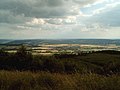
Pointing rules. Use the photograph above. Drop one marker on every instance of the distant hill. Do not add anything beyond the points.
(62, 41)
(4, 41)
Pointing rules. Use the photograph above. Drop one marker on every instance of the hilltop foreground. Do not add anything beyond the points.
(98, 70)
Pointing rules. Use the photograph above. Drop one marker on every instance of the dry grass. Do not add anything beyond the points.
(14, 80)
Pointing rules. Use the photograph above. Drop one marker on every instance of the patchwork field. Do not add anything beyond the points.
(50, 49)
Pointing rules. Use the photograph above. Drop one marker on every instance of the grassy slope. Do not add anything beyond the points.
(55, 81)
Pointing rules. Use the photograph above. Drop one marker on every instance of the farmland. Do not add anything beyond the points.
(50, 49)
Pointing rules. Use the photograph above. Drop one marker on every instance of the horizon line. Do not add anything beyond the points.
(64, 39)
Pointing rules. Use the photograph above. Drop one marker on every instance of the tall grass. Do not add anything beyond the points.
(15, 80)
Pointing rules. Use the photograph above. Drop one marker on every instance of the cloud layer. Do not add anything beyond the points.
(58, 18)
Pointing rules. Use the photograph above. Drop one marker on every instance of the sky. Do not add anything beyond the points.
(59, 19)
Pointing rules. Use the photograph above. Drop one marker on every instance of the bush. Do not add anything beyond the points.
(53, 65)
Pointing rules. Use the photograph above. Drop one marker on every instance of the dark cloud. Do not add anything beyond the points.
(84, 2)
(9, 17)
(42, 8)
